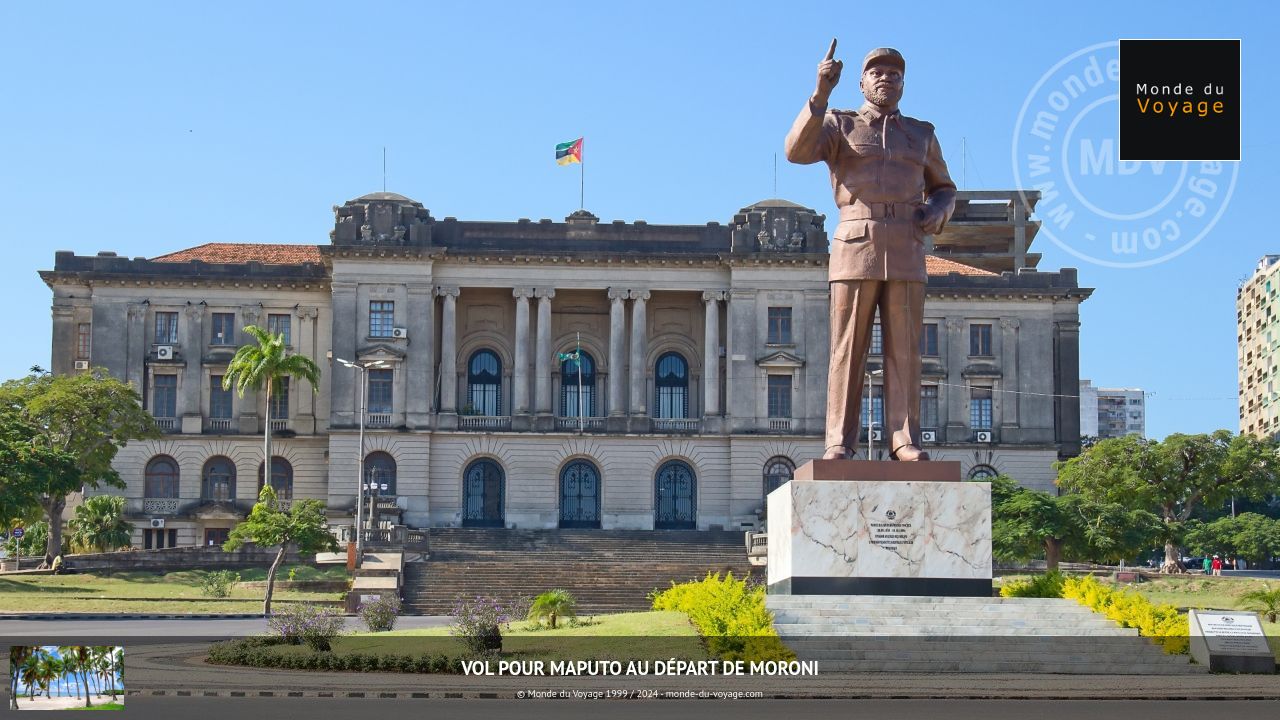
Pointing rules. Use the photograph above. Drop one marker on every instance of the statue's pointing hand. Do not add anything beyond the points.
(828, 74)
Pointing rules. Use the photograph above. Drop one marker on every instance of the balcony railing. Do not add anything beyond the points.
(484, 422)
(590, 424)
(676, 425)
(278, 425)
(220, 425)
(159, 506)
(377, 420)
(167, 424)
(780, 424)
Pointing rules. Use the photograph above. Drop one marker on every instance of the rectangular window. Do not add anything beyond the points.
(779, 396)
(280, 399)
(877, 339)
(279, 324)
(164, 396)
(928, 406)
(980, 339)
(219, 399)
(166, 328)
(224, 329)
(379, 391)
(779, 326)
(980, 408)
(873, 407)
(381, 317)
(84, 334)
(929, 340)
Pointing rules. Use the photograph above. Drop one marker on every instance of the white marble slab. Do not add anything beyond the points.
(863, 529)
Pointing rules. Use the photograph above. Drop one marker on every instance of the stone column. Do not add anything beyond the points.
(520, 372)
(1066, 386)
(419, 380)
(343, 389)
(248, 405)
(542, 357)
(64, 339)
(617, 341)
(449, 358)
(192, 370)
(139, 347)
(305, 340)
(639, 347)
(955, 351)
(711, 353)
(1008, 401)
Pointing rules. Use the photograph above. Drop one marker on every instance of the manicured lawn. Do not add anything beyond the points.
(139, 591)
(108, 706)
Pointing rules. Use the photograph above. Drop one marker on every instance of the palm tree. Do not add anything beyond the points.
(1265, 601)
(553, 604)
(80, 658)
(99, 525)
(50, 670)
(256, 366)
(18, 655)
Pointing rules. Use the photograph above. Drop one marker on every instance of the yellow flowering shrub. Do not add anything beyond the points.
(729, 614)
(1162, 623)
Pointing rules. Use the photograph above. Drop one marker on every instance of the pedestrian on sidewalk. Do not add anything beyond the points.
(1217, 565)
(1208, 564)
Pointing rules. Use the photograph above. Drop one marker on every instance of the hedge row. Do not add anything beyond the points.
(1162, 623)
(259, 652)
(729, 614)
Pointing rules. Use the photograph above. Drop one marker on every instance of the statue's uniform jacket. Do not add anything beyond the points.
(882, 167)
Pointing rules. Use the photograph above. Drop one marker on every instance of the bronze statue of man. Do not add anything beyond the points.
(892, 187)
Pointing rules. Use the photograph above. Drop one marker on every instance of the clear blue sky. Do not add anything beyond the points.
(145, 128)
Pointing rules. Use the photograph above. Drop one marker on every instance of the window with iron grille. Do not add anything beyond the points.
(166, 328)
(578, 375)
(160, 479)
(672, 385)
(980, 339)
(929, 339)
(877, 339)
(484, 383)
(779, 325)
(980, 408)
(928, 406)
(279, 324)
(219, 399)
(779, 396)
(224, 329)
(381, 318)
(380, 391)
(280, 399)
(778, 471)
(84, 334)
(164, 396)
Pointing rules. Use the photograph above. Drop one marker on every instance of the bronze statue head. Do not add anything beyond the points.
(882, 77)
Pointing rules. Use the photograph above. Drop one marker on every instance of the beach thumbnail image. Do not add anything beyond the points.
(66, 677)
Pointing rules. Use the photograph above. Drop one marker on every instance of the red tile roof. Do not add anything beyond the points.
(266, 253)
(934, 265)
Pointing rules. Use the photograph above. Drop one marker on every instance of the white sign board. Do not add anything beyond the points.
(1231, 641)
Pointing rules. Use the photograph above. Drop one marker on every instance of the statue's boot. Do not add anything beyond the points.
(837, 452)
(909, 453)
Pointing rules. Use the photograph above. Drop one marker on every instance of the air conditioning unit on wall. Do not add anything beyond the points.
(157, 522)
(82, 364)
(164, 352)
(984, 436)
(928, 436)
(402, 333)
(877, 434)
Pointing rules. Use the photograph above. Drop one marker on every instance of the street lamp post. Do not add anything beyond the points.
(871, 415)
(361, 371)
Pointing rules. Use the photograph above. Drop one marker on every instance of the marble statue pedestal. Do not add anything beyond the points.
(856, 527)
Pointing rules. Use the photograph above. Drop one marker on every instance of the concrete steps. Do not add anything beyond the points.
(611, 571)
(974, 635)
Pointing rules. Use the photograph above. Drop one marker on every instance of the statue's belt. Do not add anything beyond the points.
(875, 211)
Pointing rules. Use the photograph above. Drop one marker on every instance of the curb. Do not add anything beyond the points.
(129, 616)
(512, 695)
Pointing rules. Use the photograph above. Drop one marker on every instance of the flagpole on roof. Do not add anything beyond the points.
(582, 183)
(578, 351)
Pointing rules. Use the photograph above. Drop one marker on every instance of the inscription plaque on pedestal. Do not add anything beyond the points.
(1230, 642)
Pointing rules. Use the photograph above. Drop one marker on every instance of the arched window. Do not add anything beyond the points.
(482, 495)
(675, 497)
(380, 468)
(982, 472)
(578, 386)
(580, 495)
(672, 383)
(161, 478)
(219, 481)
(484, 383)
(281, 478)
(778, 471)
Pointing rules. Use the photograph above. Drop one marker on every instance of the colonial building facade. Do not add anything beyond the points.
(551, 374)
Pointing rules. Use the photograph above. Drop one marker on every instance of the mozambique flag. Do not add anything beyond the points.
(569, 152)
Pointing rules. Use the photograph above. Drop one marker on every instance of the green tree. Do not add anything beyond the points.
(76, 425)
(1171, 478)
(99, 525)
(1265, 601)
(261, 366)
(76, 659)
(303, 526)
(1254, 537)
(552, 605)
(50, 670)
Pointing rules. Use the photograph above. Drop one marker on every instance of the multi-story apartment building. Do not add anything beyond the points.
(1257, 340)
(1112, 412)
(699, 385)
